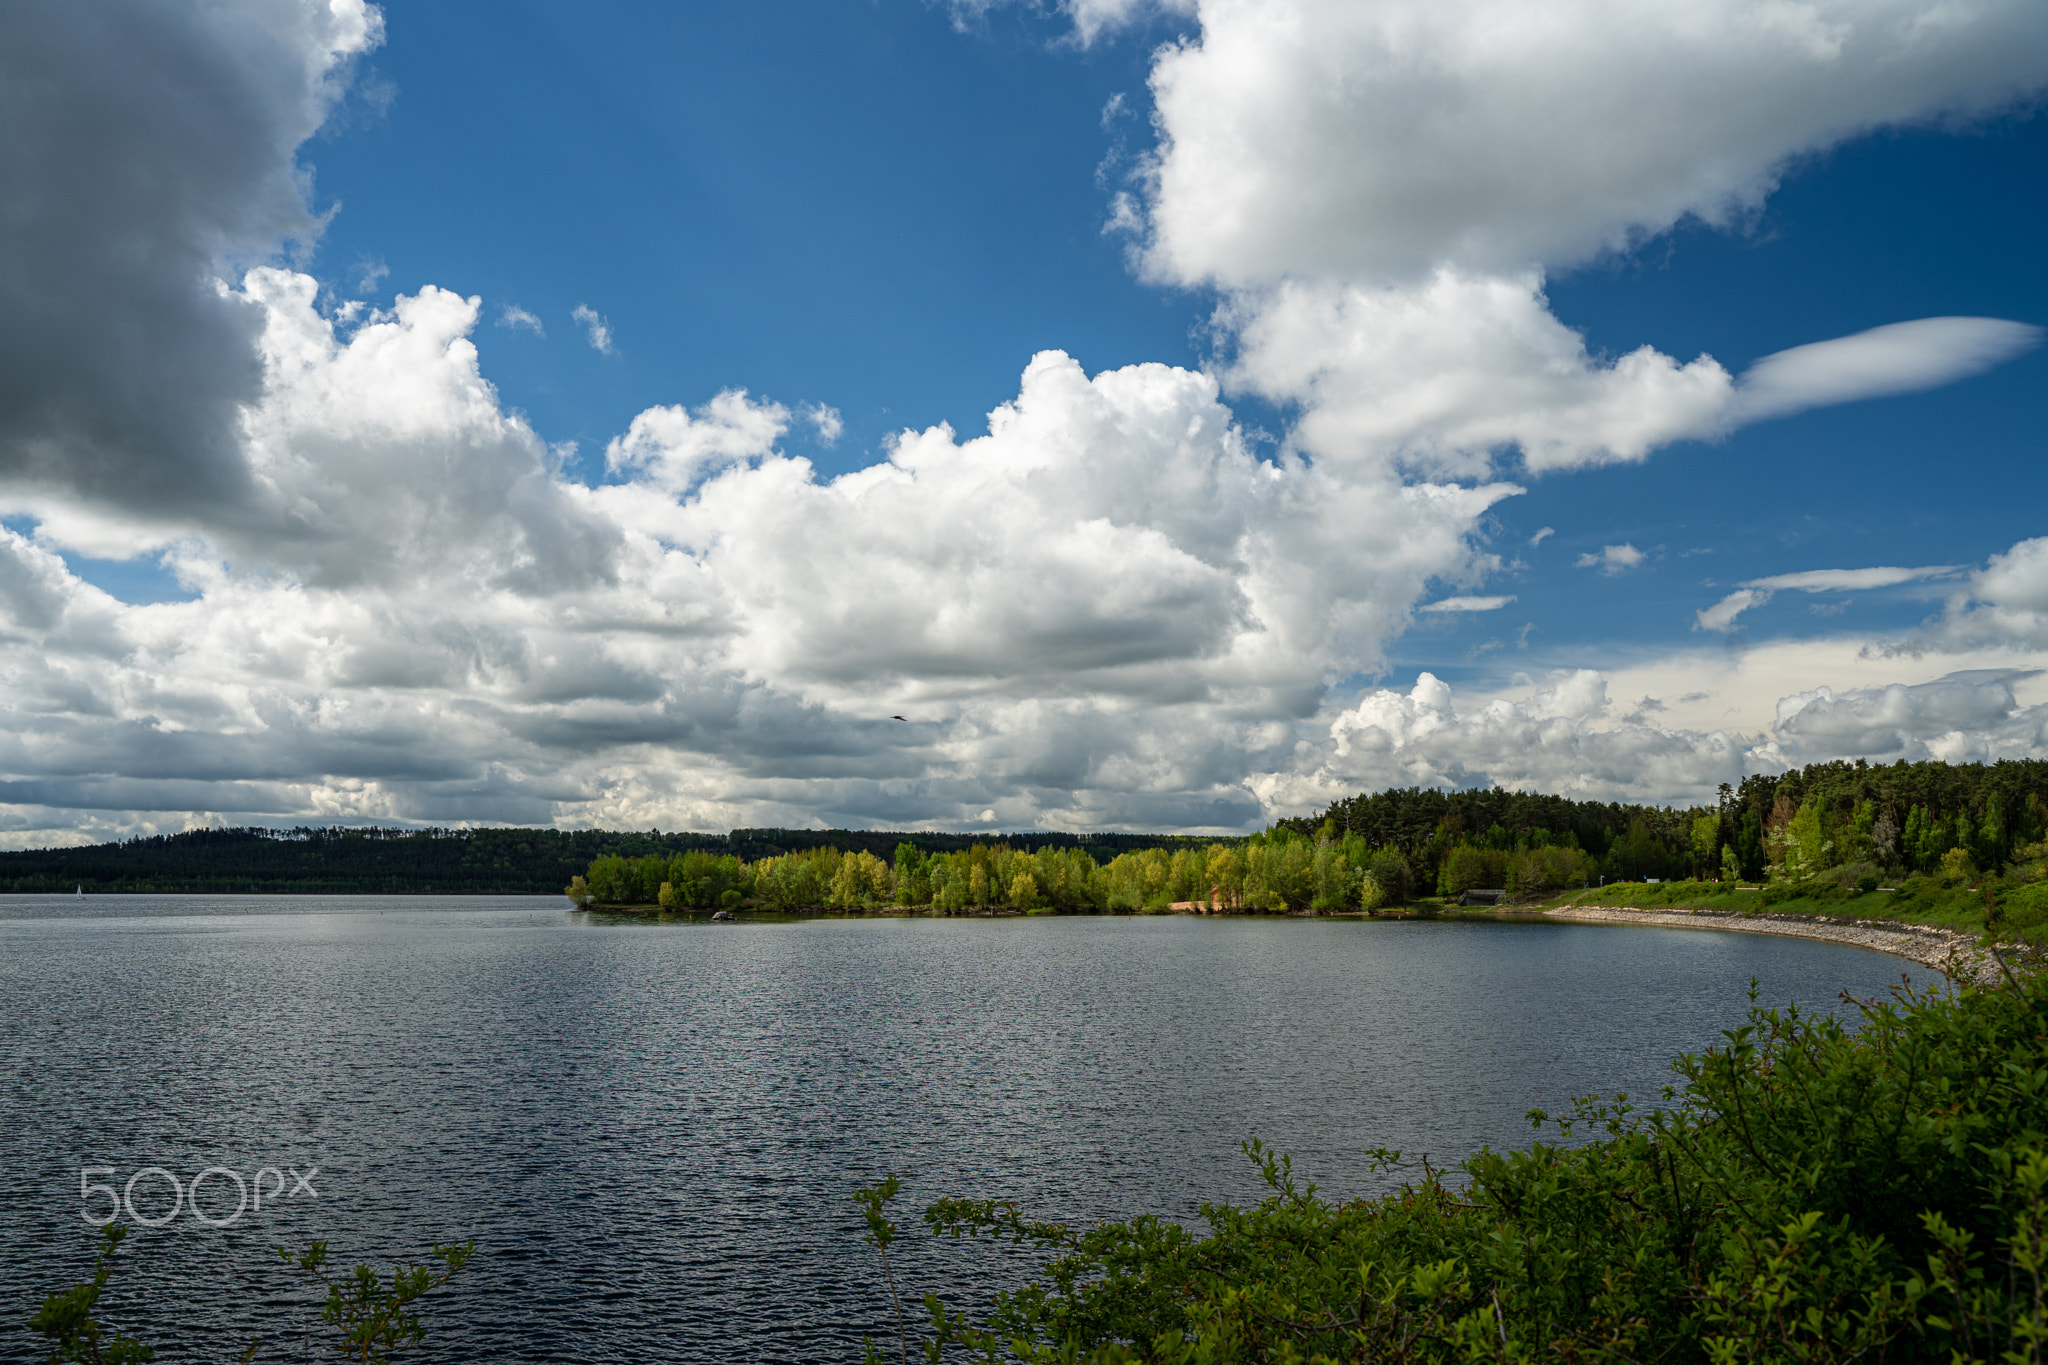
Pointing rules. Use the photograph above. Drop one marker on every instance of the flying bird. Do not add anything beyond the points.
(899, 718)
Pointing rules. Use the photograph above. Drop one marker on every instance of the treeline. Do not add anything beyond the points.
(1276, 872)
(434, 861)
(1838, 821)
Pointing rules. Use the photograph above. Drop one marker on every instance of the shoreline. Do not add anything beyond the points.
(1955, 953)
(1958, 954)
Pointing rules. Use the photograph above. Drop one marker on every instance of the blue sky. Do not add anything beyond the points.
(841, 202)
(292, 534)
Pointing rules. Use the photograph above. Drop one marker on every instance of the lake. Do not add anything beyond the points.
(654, 1128)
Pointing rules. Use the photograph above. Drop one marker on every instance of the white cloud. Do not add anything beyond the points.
(1109, 610)
(1721, 616)
(2005, 604)
(1757, 591)
(516, 318)
(595, 329)
(674, 448)
(1900, 358)
(1379, 189)
(2018, 579)
(826, 420)
(1612, 559)
(1442, 374)
(1498, 139)
(1557, 738)
(1541, 536)
(1106, 611)
(1849, 580)
(1561, 737)
(1963, 717)
(1464, 604)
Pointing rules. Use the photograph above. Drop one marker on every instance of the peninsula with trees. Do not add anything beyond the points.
(1963, 846)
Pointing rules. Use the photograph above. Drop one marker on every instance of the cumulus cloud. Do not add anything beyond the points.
(596, 330)
(1542, 536)
(1442, 374)
(149, 147)
(1970, 716)
(1612, 559)
(1106, 611)
(1378, 189)
(1498, 140)
(1557, 738)
(1560, 736)
(2003, 605)
(674, 448)
(1112, 609)
(2016, 580)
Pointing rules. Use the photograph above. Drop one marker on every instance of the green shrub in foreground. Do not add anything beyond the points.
(373, 1320)
(1812, 1194)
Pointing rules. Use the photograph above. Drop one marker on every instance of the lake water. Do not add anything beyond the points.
(654, 1128)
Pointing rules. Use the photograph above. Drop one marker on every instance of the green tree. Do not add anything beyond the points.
(611, 880)
(1637, 854)
(1706, 843)
(1751, 846)
(862, 879)
(1391, 874)
(1803, 847)
(913, 877)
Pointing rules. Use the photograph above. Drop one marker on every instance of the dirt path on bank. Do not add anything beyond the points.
(1953, 952)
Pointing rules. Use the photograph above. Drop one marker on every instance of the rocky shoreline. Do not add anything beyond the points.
(1959, 955)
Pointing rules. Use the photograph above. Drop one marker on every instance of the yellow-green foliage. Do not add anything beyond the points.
(797, 880)
(862, 880)
(1279, 871)
(1800, 847)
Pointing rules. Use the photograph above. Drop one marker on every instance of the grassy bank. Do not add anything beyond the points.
(1916, 900)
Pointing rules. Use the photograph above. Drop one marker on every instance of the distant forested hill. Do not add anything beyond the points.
(1899, 816)
(1857, 817)
(443, 861)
